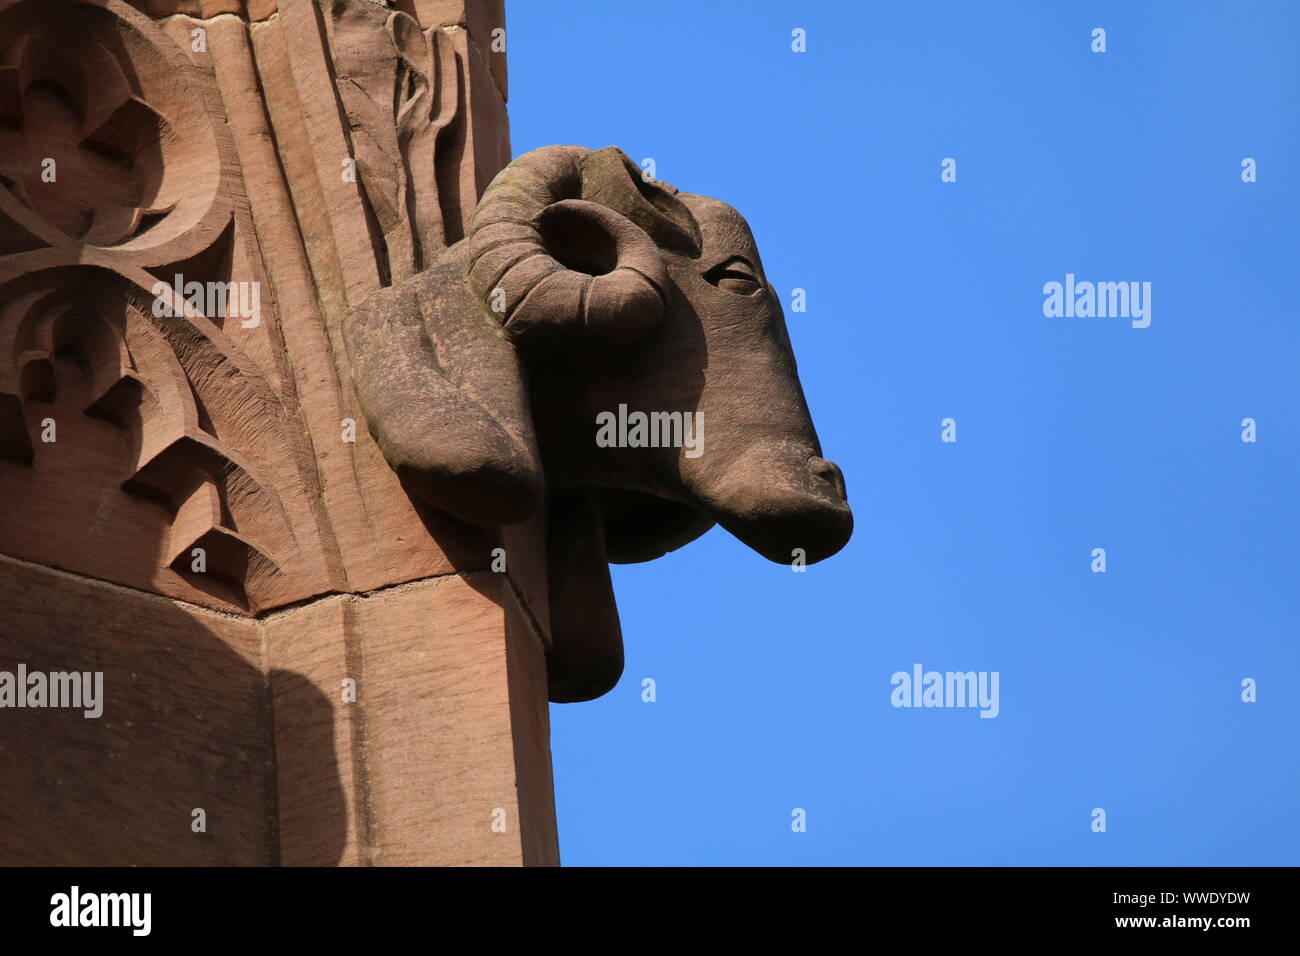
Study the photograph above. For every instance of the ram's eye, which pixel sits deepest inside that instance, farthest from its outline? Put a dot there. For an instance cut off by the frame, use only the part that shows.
(735, 275)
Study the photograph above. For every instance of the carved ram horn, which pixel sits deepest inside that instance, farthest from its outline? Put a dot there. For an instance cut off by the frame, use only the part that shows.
(563, 249)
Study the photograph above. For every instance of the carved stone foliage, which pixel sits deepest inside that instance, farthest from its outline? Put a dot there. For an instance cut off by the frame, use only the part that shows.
(142, 443)
(188, 205)
(104, 140)
(403, 90)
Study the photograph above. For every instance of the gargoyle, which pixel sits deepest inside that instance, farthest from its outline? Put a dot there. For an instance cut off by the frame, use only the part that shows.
(582, 291)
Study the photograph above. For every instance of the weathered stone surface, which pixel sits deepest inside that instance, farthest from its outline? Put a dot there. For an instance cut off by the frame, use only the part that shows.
(246, 720)
(449, 732)
(185, 726)
(482, 18)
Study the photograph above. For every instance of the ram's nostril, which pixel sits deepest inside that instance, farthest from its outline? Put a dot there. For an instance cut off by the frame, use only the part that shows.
(830, 473)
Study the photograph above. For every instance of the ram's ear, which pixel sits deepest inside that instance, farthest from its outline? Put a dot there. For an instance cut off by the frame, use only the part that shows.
(443, 394)
(610, 178)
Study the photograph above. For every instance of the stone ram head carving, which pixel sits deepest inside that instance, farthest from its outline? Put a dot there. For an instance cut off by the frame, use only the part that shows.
(579, 289)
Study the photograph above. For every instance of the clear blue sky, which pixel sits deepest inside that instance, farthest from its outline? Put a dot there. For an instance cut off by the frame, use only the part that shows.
(1119, 690)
